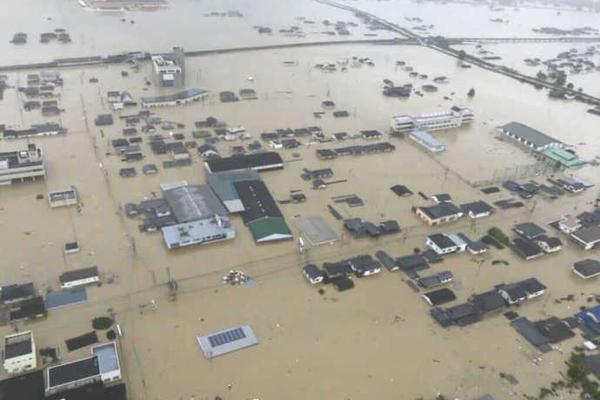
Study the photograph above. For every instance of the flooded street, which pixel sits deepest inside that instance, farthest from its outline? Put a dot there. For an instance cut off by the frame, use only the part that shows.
(322, 346)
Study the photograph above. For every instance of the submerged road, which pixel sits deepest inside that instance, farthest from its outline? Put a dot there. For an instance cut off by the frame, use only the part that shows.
(145, 56)
(442, 45)
(408, 39)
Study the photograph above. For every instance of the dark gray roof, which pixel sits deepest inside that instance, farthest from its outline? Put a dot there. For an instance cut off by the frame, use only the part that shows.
(532, 285)
(77, 370)
(529, 230)
(29, 386)
(514, 291)
(78, 274)
(550, 241)
(441, 210)
(442, 241)
(441, 197)
(526, 248)
(554, 329)
(412, 262)
(464, 314)
(191, 203)
(587, 267)
(488, 301)
(17, 348)
(257, 200)
(529, 331)
(29, 309)
(15, 292)
(434, 280)
(477, 207)
(588, 235)
(258, 161)
(440, 296)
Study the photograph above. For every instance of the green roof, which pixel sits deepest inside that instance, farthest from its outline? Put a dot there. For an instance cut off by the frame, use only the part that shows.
(529, 135)
(222, 182)
(269, 229)
(563, 156)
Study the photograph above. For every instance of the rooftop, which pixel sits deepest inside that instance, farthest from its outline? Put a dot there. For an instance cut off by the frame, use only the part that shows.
(587, 268)
(191, 203)
(564, 157)
(535, 137)
(74, 371)
(78, 274)
(108, 357)
(441, 210)
(529, 230)
(257, 200)
(258, 162)
(222, 184)
(28, 386)
(227, 340)
(183, 95)
(18, 345)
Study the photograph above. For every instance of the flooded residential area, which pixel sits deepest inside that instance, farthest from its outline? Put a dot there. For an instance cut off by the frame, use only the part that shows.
(308, 199)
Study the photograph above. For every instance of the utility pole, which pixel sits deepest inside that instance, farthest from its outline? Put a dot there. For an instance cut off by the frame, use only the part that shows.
(172, 285)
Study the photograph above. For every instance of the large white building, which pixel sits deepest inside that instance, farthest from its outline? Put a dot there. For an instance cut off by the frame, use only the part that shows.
(454, 118)
(21, 166)
(169, 67)
(19, 353)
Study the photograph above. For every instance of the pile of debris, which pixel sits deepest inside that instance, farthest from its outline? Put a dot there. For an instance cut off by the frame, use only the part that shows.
(235, 277)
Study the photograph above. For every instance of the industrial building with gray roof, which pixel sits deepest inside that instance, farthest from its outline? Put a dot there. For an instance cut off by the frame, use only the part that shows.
(191, 203)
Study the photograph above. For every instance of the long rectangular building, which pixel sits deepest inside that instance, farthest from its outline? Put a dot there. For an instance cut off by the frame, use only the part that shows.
(529, 137)
(427, 141)
(454, 118)
(256, 162)
(21, 166)
(261, 213)
(201, 231)
(74, 374)
(179, 98)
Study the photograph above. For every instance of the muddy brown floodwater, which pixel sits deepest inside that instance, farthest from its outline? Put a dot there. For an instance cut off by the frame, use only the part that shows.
(330, 346)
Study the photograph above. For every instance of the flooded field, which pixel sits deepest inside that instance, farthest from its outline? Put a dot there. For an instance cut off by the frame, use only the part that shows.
(376, 341)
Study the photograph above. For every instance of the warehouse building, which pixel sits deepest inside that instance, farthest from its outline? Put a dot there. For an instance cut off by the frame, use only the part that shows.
(529, 137)
(258, 162)
(192, 202)
(261, 213)
(222, 184)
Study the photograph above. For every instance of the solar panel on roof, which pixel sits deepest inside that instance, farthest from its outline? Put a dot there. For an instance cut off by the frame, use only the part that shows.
(226, 337)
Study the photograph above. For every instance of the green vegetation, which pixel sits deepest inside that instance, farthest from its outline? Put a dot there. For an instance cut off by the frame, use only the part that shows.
(111, 335)
(500, 236)
(102, 323)
(577, 379)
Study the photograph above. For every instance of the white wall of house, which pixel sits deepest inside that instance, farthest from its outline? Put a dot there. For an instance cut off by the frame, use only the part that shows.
(80, 282)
